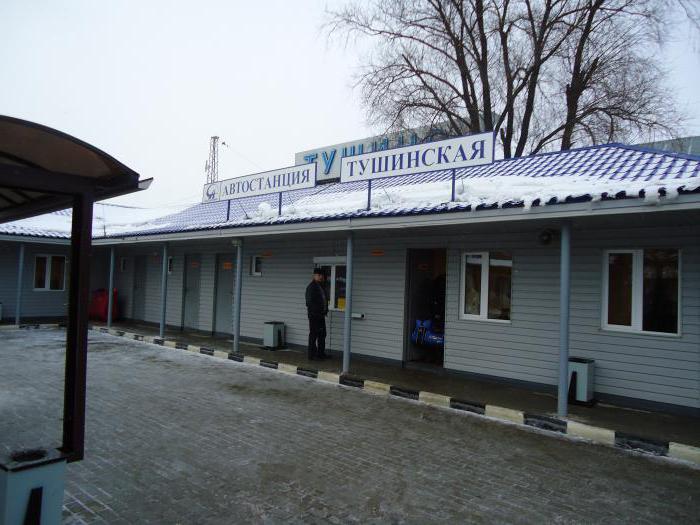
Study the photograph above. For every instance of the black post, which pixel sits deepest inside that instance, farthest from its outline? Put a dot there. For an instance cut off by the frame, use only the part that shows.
(279, 205)
(76, 337)
(454, 173)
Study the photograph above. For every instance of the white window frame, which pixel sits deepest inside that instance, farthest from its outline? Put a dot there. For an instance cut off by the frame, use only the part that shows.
(253, 259)
(637, 293)
(47, 274)
(333, 262)
(483, 302)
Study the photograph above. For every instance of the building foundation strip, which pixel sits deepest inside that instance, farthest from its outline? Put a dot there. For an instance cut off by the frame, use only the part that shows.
(547, 423)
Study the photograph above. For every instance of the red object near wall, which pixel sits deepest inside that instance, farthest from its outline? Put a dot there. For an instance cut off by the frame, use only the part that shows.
(99, 305)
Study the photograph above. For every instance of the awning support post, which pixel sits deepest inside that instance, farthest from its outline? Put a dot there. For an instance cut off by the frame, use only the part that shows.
(369, 194)
(163, 290)
(347, 332)
(110, 289)
(237, 299)
(564, 306)
(20, 279)
(76, 332)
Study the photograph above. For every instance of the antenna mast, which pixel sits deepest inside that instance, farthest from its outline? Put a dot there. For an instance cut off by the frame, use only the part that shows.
(211, 168)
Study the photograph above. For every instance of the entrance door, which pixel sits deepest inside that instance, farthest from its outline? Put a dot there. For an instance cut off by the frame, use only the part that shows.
(225, 277)
(425, 309)
(138, 309)
(190, 311)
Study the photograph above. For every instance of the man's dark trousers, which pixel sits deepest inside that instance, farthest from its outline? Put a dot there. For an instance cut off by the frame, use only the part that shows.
(317, 336)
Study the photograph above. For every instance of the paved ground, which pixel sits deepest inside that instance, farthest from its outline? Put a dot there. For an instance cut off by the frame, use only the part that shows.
(175, 437)
(654, 425)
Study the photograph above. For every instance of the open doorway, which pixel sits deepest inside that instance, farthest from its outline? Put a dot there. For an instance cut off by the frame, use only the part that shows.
(426, 272)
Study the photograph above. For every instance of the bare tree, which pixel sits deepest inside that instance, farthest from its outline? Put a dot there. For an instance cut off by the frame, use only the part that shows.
(541, 73)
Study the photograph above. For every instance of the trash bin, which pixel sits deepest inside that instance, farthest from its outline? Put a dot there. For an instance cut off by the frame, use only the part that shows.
(581, 378)
(273, 335)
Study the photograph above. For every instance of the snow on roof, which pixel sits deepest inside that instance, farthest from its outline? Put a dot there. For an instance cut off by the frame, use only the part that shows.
(611, 171)
(107, 219)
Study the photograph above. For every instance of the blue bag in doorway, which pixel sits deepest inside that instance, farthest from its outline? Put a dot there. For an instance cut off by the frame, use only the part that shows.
(423, 335)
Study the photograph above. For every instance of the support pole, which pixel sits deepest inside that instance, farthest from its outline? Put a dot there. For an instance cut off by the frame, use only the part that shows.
(163, 290)
(20, 278)
(279, 205)
(454, 176)
(369, 194)
(237, 299)
(110, 289)
(76, 331)
(347, 334)
(564, 305)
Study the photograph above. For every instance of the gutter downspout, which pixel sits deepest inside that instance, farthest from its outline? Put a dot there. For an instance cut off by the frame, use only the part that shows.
(347, 330)
(110, 288)
(163, 290)
(564, 310)
(237, 299)
(20, 278)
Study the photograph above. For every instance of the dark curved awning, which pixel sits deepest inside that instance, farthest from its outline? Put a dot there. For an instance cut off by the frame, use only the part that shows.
(42, 168)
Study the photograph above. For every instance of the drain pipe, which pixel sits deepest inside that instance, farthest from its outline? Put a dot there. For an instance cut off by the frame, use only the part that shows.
(110, 289)
(564, 306)
(347, 328)
(237, 297)
(163, 289)
(20, 278)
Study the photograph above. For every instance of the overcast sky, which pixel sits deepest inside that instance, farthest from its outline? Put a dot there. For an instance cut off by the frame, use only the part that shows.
(150, 81)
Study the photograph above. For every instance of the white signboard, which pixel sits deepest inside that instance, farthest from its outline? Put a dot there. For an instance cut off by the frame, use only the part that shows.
(470, 150)
(285, 179)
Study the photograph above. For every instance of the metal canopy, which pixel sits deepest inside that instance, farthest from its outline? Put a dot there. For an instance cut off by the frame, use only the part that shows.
(41, 168)
(44, 170)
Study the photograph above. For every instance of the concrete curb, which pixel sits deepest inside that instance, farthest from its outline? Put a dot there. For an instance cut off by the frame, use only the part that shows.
(599, 435)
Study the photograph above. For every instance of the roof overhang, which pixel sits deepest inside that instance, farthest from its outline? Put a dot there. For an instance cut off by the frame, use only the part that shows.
(498, 215)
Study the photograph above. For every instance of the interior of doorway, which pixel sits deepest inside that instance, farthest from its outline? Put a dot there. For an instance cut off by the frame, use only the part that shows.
(426, 272)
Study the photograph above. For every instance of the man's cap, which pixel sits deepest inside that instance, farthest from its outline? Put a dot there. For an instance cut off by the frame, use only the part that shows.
(318, 271)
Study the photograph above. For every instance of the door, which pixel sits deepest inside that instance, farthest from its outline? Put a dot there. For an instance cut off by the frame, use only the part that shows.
(138, 309)
(425, 307)
(223, 307)
(190, 311)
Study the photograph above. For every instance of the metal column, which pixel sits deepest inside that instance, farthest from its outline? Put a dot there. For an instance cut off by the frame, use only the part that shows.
(347, 333)
(564, 305)
(76, 332)
(163, 290)
(20, 278)
(237, 299)
(110, 289)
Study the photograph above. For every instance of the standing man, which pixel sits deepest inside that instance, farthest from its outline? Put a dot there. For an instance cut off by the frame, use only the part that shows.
(317, 308)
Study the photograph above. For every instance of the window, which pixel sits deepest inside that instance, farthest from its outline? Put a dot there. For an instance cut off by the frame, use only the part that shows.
(256, 265)
(50, 272)
(641, 290)
(334, 278)
(486, 285)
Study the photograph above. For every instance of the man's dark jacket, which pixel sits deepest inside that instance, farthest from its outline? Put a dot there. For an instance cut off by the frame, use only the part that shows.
(316, 304)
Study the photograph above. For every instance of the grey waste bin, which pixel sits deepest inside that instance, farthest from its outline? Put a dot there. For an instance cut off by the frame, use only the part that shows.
(585, 375)
(273, 335)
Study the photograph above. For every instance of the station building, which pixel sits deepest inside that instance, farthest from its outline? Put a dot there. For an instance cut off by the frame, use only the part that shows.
(476, 249)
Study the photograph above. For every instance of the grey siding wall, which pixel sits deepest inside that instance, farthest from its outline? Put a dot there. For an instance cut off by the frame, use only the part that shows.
(653, 367)
(34, 303)
(656, 368)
